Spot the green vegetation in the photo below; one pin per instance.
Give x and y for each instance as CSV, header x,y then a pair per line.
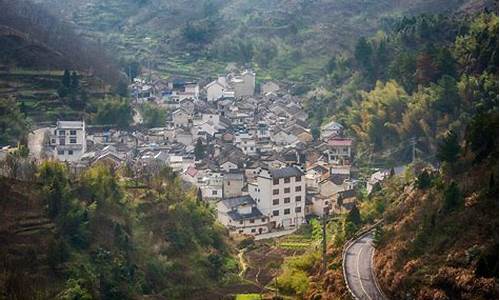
x,y
153,116
440,75
116,243
114,111
14,125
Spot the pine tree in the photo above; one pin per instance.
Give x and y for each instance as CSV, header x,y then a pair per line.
x,y
449,148
66,80
75,81
199,150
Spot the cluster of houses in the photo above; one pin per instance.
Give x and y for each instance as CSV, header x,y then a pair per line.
x,y
260,165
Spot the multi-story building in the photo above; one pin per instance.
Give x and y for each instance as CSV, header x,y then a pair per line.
x,y
339,150
246,143
68,140
280,195
241,215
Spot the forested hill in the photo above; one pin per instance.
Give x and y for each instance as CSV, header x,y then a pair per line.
x,y
34,38
282,39
412,84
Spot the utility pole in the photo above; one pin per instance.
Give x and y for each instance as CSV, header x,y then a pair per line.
x,y
324,241
413,153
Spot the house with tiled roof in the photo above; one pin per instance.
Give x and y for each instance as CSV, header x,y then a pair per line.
x,y
242,216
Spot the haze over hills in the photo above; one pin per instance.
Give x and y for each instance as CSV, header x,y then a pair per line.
x,y
283,39
335,123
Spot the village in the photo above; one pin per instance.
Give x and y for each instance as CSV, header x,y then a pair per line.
x,y
250,154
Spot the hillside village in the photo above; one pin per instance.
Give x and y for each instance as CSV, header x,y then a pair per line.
x,y
251,154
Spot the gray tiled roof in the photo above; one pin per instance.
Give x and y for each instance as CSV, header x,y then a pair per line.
x,y
285,172
236,201
235,215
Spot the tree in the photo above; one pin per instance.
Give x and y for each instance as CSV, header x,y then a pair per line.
x,y
449,148
122,89
114,111
448,98
199,150
452,197
482,136
153,116
75,82
354,216
66,79
14,126
424,180
315,132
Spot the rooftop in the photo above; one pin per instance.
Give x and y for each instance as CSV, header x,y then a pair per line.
x,y
285,172
237,201
70,124
254,214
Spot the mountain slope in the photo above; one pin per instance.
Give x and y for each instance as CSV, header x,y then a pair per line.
x,y
284,39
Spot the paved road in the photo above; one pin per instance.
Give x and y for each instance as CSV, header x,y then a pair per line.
x,y
358,269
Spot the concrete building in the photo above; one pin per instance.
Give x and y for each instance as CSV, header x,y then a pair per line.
x,y
280,195
246,143
244,85
233,184
242,216
69,140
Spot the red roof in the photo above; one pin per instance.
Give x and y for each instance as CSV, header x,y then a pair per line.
x,y
336,141
191,171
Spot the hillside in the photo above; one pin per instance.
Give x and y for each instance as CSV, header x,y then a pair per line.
x,y
290,40
95,236
33,38
440,238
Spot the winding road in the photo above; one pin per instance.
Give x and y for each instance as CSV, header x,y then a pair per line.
x,y
358,269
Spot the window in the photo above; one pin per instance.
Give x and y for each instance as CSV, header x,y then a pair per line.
x,y
70,152
286,211
276,213
62,141
253,229
345,150
229,183
60,152
276,181
214,193
298,209
298,199
241,222
62,132
276,191
287,190
72,140
252,221
298,178
72,132
286,200
263,220
298,188
276,201
287,180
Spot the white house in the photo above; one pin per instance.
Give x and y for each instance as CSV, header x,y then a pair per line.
x,y
331,129
219,89
246,143
233,184
241,215
340,149
269,87
182,118
244,85
69,140
280,195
